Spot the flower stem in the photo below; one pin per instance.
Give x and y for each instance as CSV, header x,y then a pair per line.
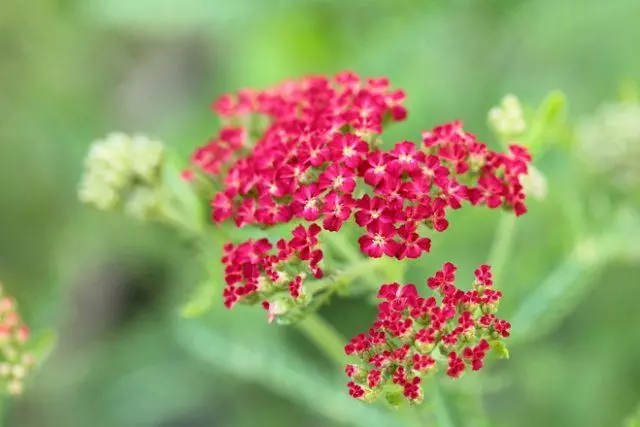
x,y
365,266
329,341
443,416
324,336
502,243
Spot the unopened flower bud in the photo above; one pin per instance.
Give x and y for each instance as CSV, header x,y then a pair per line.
x,y
535,184
5,369
123,170
15,387
18,371
28,360
143,203
6,304
507,119
147,156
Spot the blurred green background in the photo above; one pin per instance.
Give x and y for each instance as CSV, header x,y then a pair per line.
x,y
74,70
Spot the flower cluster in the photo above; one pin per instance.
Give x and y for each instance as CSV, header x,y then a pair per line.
x,y
413,335
256,272
15,361
309,152
123,171
318,159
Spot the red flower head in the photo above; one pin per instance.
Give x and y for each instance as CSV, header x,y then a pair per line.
x,y
411,330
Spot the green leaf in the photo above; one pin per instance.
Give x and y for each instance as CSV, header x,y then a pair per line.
x,y
547,122
42,345
201,301
633,420
628,91
184,206
500,349
554,298
395,398
264,359
561,291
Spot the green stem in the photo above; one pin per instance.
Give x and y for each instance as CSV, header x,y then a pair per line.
x,y
342,245
325,337
502,243
363,267
331,343
411,415
3,411
443,416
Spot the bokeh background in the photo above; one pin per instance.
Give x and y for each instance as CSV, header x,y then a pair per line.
x,y
74,70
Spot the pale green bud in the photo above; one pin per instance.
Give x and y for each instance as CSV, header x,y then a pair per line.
x,y
535,184
142,203
507,119
146,157
123,171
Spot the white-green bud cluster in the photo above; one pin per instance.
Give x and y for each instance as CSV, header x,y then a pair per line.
x,y
507,119
123,172
609,143
535,184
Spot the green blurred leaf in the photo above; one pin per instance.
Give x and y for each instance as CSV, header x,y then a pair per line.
x,y
633,420
547,122
42,345
560,292
500,349
184,206
269,362
201,300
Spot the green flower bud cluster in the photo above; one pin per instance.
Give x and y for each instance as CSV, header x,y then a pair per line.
x,y
507,119
609,143
122,172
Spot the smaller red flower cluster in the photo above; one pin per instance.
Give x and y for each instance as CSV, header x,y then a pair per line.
x,y
254,272
15,361
411,333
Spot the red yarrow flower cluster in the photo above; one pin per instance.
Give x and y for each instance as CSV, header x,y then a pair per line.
x,y
316,159
413,336
258,272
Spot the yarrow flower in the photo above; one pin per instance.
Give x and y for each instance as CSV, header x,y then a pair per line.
x,y
123,171
414,336
307,156
316,159
15,361
258,272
